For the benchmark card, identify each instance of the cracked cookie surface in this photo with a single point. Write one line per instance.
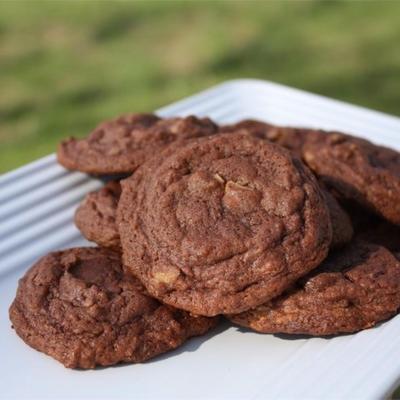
(222, 224)
(81, 308)
(120, 145)
(353, 289)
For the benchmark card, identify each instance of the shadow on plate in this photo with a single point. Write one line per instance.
(287, 336)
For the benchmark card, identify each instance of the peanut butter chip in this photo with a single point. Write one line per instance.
(219, 178)
(336, 138)
(308, 157)
(274, 134)
(166, 277)
(201, 182)
(240, 198)
(113, 151)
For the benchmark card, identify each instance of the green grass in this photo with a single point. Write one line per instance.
(65, 66)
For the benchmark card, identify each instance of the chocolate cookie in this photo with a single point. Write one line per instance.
(96, 216)
(342, 228)
(291, 138)
(354, 289)
(294, 139)
(358, 170)
(79, 307)
(119, 146)
(222, 224)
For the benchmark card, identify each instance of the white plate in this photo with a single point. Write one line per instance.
(36, 208)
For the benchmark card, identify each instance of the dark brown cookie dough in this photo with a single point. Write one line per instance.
(291, 138)
(222, 223)
(79, 307)
(255, 127)
(353, 289)
(119, 146)
(96, 216)
(342, 228)
(294, 139)
(358, 170)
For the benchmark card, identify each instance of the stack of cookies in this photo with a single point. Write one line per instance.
(281, 230)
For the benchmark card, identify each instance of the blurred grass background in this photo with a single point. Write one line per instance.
(65, 66)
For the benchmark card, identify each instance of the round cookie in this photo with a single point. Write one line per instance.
(96, 216)
(120, 145)
(293, 139)
(79, 307)
(222, 224)
(353, 289)
(358, 170)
